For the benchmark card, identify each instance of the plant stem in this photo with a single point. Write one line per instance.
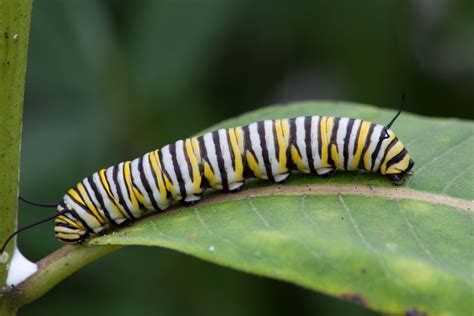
(52, 270)
(15, 16)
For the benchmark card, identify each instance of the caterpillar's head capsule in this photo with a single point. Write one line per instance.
(397, 162)
(69, 228)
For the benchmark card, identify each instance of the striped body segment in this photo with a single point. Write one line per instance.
(222, 160)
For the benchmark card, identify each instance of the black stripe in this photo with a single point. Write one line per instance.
(334, 131)
(377, 150)
(188, 161)
(125, 181)
(111, 197)
(97, 207)
(84, 207)
(399, 157)
(177, 170)
(356, 140)
(350, 124)
(307, 140)
(83, 222)
(204, 159)
(247, 147)
(134, 186)
(98, 197)
(275, 141)
(220, 160)
(146, 184)
(231, 149)
(65, 225)
(119, 191)
(366, 146)
(263, 145)
(67, 241)
(290, 164)
(393, 143)
(320, 143)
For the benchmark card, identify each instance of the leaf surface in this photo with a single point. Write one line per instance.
(402, 250)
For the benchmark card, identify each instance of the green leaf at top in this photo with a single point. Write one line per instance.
(402, 250)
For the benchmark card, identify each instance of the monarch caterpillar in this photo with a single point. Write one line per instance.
(222, 160)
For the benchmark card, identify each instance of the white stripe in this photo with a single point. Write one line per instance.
(257, 148)
(184, 167)
(341, 135)
(226, 156)
(270, 142)
(315, 141)
(300, 136)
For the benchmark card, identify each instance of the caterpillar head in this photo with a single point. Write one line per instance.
(69, 227)
(397, 161)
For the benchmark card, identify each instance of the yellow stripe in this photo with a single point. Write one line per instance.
(324, 142)
(67, 220)
(194, 166)
(68, 236)
(197, 150)
(295, 156)
(159, 177)
(89, 203)
(76, 196)
(66, 230)
(253, 164)
(335, 156)
(360, 143)
(239, 166)
(105, 184)
(282, 145)
(240, 138)
(128, 181)
(169, 185)
(209, 175)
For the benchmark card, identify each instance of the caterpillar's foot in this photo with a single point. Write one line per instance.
(326, 172)
(191, 200)
(282, 178)
(235, 187)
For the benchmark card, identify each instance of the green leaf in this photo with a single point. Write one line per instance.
(402, 250)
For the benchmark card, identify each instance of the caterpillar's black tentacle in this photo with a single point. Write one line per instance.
(222, 160)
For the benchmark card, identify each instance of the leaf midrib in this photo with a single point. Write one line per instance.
(397, 193)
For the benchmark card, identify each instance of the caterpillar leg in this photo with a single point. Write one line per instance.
(325, 172)
(236, 186)
(279, 178)
(191, 199)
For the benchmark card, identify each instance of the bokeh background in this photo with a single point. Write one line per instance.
(110, 80)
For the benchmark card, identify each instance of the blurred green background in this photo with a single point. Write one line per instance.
(109, 80)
